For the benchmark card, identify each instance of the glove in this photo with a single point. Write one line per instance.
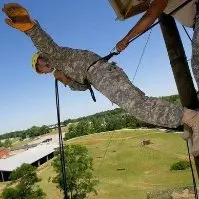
(61, 77)
(18, 17)
(191, 119)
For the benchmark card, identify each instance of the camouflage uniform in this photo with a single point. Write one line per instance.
(107, 78)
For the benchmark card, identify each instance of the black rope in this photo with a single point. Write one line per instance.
(192, 173)
(86, 82)
(187, 33)
(110, 138)
(190, 162)
(140, 60)
(61, 145)
(106, 150)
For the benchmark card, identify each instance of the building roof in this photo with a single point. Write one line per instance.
(128, 8)
(3, 148)
(26, 146)
(30, 156)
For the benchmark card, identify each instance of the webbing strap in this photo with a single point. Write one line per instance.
(105, 58)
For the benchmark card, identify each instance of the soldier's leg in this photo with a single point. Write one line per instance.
(112, 82)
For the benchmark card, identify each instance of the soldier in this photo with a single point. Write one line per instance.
(73, 66)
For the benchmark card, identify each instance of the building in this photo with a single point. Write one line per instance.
(24, 147)
(34, 156)
(4, 152)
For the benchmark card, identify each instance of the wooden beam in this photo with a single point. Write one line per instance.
(2, 176)
(179, 65)
(133, 10)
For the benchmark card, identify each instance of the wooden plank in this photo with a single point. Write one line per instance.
(125, 9)
(120, 7)
(133, 10)
(180, 67)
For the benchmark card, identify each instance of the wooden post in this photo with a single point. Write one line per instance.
(179, 65)
(2, 176)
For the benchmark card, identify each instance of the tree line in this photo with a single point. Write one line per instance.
(32, 132)
(103, 121)
(108, 121)
(103, 124)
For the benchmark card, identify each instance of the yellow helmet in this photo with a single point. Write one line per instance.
(34, 60)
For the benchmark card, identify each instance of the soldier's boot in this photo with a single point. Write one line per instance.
(191, 119)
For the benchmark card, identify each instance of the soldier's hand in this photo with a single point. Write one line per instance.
(18, 17)
(121, 45)
(61, 77)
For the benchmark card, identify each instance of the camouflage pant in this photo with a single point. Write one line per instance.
(112, 82)
(195, 51)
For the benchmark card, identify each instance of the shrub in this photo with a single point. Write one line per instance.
(167, 193)
(181, 165)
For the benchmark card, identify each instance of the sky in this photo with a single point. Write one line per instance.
(28, 99)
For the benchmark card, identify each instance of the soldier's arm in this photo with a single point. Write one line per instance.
(43, 42)
(154, 11)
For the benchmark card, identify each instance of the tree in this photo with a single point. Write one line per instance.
(71, 132)
(10, 193)
(1, 143)
(23, 136)
(7, 143)
(83, 128)
(79, 171)
(44, 130)
(24, 178)
(98, 125)
(33, 131)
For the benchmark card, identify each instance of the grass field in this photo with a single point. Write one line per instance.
(125, 168)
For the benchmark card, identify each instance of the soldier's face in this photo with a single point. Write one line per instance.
(42, 66)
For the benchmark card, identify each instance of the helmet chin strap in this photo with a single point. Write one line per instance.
(54, 69)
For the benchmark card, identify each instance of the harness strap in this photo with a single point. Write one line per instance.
(106, 58)
(86, 82)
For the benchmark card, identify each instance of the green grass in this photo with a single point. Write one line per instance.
(46, 174)
(145, 168)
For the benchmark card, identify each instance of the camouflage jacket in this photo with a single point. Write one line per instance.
(72, 62)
